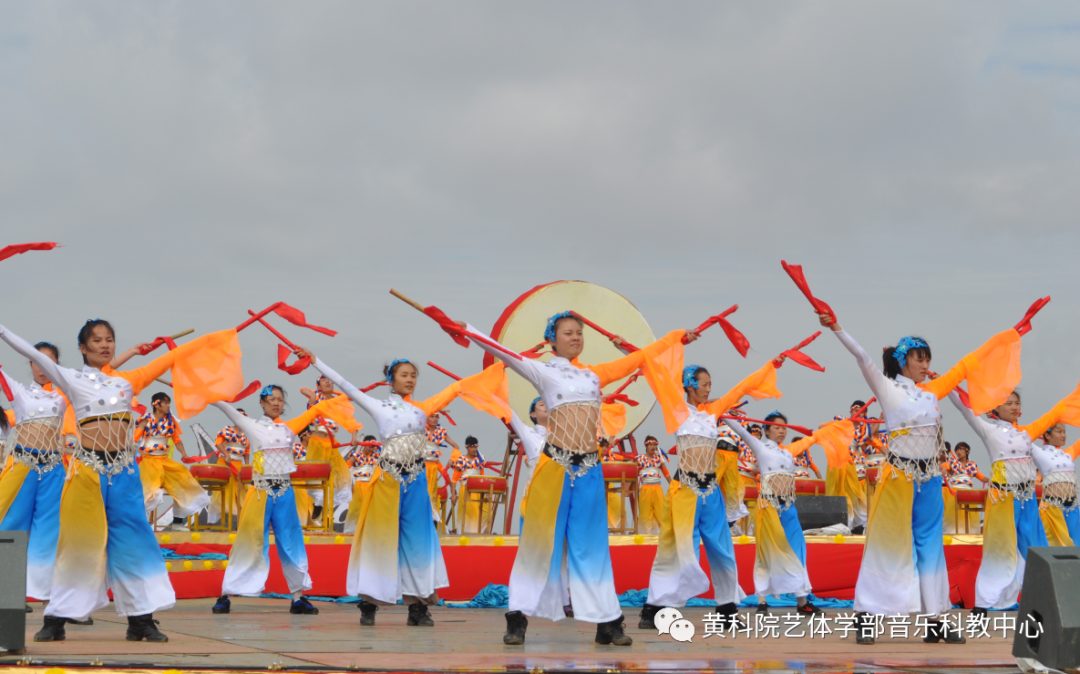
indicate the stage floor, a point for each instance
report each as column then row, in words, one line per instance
column 260, row 634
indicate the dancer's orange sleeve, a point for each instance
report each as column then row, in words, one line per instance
column 992, row 372
column 1067, row 411
column 761, row 384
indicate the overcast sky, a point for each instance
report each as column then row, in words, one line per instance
column 200, row 159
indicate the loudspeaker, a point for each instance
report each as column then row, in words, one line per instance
column 13, row 591
column 816, row 512
column 1050, row 597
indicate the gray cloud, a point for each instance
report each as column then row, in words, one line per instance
column 198, row 160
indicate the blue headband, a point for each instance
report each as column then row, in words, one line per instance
column 689, row 376
column 549, row 332
column 268, row 390
column 532, row 405
column 774, row 413
column 905, row 345
column 394, row 363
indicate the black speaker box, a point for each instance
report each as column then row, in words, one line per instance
column 816, row 512
column 13, row 591
column 1051, row 597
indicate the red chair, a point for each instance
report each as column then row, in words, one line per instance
column 491, row 492
column 622, row 476
column 214, row 479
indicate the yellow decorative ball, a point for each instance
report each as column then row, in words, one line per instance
column 172, row 671
column 744, row 539
column 168, row 566
column 947, row 540
column 338, row 540
column 207, row 564
column 165, row 538
column 838, row 538
column 499, row 541
column 55, row 670
column 307, row 539
column 463, row 540
column 232, row 538
column 188, row 565
column 225, row 564
column 639, row 539
column 196, row 536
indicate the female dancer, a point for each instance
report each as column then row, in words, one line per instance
column 651, row 465
column 1060, row 516
column 1012, row 522
column 31, row 488
column 780, row 565
column 904, row 554
column 395, row 550
column 270, row 503
column 694, row 513
column 105, row 541
column 570, row 515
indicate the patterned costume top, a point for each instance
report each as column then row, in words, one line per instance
column 231, row 436
column 358, row 457
column 435, row 437
column 154, row 436
column 466, row 466
column 299, row 451
column 650, row 467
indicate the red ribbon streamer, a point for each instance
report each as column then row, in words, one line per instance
column 144, row 350
column 449, row 327
column 737, row 339
column 448, row 418
column 289, row 313
column 374, row 386
column 251, row 388
column 796, row 273
column 1024, row 326
column 622, row 398
column 7, row 389
column 283, row 353
column 20, row 248
column 626, row 346
column 801, row 358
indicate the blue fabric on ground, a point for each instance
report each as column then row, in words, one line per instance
column 171, row 556
column 789, row 601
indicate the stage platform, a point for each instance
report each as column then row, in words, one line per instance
column 260, row 635
column 474, row 561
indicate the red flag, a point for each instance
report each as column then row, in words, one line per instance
column 144, row 350
column 20, row 248
column 449, row 327
column 283, row 353
column 796, row 273
column 620, row 397
column 738, row 339
column 448, row 418
column 801, row 358
column 1024, row 326
column 251, row 388
column 296, row 317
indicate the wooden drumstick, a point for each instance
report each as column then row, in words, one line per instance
column 413, row 303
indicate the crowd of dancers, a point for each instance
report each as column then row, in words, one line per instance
column 84, row 467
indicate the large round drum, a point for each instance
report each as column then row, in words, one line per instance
column 521, row 327
column 620, row 470
column 211, row 473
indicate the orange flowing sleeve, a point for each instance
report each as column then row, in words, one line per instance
column 661, row 362
column 799, row 446
column 992, row 372
column 340, row 410
column 628, row 364
column 1073, row 450
column 759, row 385
column 612, row 418
column 835, row 438
column 1067, row 411
column 487, row 391
column 321, row 409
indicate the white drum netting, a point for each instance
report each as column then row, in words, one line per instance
column 403, row 456
column 38, row 443
column 915, row 451
column 107, row 444
column 778, row 490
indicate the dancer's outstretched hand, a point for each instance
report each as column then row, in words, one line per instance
column 301, row 352
column 828, row 321
column 691, row 336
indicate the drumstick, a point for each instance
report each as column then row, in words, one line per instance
column 800, row 429
column 7, row 391
column 453, row 329
column 284, row 340
column 625, row 344
column 413, row 303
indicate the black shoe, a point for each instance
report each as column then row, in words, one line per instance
column 29, row 608
column 144, row 627
column 859, row 530
column 866, row 629
column 316, row 512
column 808, row 609
column 223, row 605
column 981, row 612
column 419, row 616
column 762, row 608
column 72, row 621
column 648, row 617
column 302, row 606
column 53, row 630
column 568, row 610
column 516, row 624
column 367, row 613
column 730, row 613
column 937, row 630
column 612, row 633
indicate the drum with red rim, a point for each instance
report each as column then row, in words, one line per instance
column 245, row 473
column 751, row 493
column 971, row 496
column 809, row 486
column 211, row 473
column 311, row 470
column 872, row 475
column 481, row 483
column 620, row 470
